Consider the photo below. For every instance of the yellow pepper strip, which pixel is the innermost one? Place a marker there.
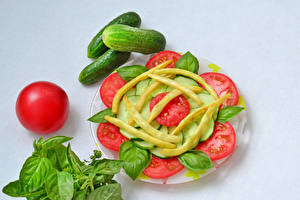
(141, 101)
(138, 133)
(133, 82)
(171, 95)
(191, 75)
(176, 85)
(190, 118)
(194, 140)
(146, 126)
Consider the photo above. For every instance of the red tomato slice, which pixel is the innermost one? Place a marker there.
(222, 84)
(162, 57)
(221, 143)
(175, 111)
(110, 136)
(110, 87)
(163, 168)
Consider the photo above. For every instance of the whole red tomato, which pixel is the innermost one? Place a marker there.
(42, 107)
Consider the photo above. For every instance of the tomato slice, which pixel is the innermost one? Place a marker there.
(162, 57)
(110, 136)
(175, 111)
(222, 84)
(163, 168)
(221, 143)
(110, 87)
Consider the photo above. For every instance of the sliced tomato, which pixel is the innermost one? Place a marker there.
(110, 136)
(163, 168)
(162, 57)
(221, 143)
(222, 84)
(110, 87)
(175, 111)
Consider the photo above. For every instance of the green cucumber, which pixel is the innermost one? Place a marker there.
(209, 131)
(97, 47)
(131, 92)
(105, 64)
(164, 129)
(144, 144)
(156, 152)
(205, 98)
(185, 81)
(127, 135)
(141, 86)
(123, 113)
(130, 39)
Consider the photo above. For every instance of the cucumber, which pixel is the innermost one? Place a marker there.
(141, 86)
(97, 47)
(126, 134)
(106, 63)
(123, 113)
(156, 152)
(185, 81)
(161, 89)
(164, 129)
(144, 144)
(208, 132)
(131, 92)
(130, 39)
(205, 98)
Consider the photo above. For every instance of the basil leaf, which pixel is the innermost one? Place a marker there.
(74, 161)
(59, 185)
(14, 189)
(130, 72)
(106, 192)
(188, 62)
(109, 167)
(62, 161)
(195, 160)
(80, 195)
(99, 117)
(135, 159)
(55, 141)
(228, 112)
(33, 173)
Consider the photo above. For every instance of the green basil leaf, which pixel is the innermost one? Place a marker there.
(228, 112)
(108, 167)
(74, 161)
(135, 159)
(188, 62)
(59, 185)
(106, 192)
(55, 141)
(80, 195)
(14, 189)
(195, 160)
(99, 117)
(33, 173)
(130, 72)
(61, 156)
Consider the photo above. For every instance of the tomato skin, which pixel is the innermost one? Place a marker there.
(175, 111)
(110, 87)
(163, 168)
(162, 57)
(42, 107)
(222, 84)
(221, 143)
(109, 136)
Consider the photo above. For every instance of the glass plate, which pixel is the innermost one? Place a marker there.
(185, 175)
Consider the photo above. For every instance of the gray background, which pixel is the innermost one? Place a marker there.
(256, 42)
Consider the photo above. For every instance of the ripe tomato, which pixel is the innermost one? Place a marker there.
(221, 143)
(162, 57)
(175, 111)
(222, 84)
(163, 168)
(110, 136)
(42, 107)
(110, 87)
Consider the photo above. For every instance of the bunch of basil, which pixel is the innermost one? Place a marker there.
(54, 172)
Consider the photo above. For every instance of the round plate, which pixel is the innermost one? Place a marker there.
(185, 175)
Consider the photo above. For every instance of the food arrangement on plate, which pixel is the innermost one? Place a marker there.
(164, 117)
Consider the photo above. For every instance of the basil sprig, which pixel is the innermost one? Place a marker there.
(135, 159)
(55, 172)
(130, 72)
(228, 112)
(188, 62)
(195, 160)
(99, 117)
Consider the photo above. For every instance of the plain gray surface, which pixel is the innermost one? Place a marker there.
(256, 42)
